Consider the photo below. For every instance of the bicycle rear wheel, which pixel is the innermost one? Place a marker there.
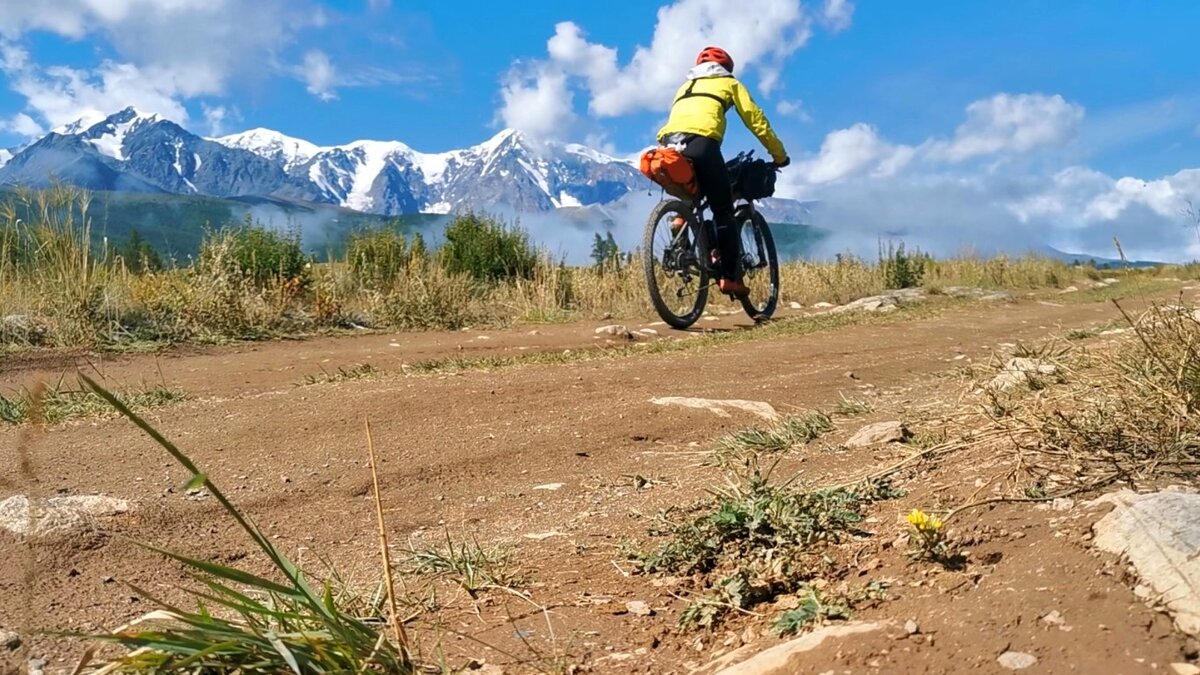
(672, 259)
(760, 265)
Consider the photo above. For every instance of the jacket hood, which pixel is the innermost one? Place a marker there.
(708, 69)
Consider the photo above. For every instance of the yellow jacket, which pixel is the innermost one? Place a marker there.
(701, 103)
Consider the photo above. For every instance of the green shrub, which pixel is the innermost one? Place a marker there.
(899, 268)
(256, 253)
(605, 252)
(487, 249)
(139, 255)
(431, 299)
(376, 258)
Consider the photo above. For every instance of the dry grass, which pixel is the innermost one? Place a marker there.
(58, 290)
(1061, 419)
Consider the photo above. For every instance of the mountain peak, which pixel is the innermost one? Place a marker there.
(273, 145)
(503, 138)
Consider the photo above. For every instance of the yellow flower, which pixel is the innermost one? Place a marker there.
(924, 522)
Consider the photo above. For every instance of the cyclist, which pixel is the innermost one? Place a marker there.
(696, 128)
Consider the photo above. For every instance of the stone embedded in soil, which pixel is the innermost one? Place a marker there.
(10, 640)
(720, 407)
(1159, 533)
(37, 516)
(549, 486)
(639, 607)
(1185, 669)
(878, 434)
(1016, 660)
(1055, 618)
(911, 627)
(616, 330)
(781, 659)
(1020, 370)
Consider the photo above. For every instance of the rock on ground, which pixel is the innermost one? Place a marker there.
(615, 330)
(878, 434)
(890, 300)
(38, 517)
(720, 407)
(782, 659)
(1018, 371)
(22, 328)
(1160, 534)
(1016, 660)
(978, 293)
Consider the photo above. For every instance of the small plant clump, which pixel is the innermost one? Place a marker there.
(468, 565)
(779, 437)
(359, 371)
(928, 535)
(753, 541)
(56, 405)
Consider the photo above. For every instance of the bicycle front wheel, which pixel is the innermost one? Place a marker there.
(760, 265)
(672, 259)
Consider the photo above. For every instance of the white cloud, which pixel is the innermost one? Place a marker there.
(536, 100)
(794, 109)
(1011, 123)
(759, 34)
(867, 187)
(856, 150)
(61, 95)
(216, 117)
(318, 73)
(169, 50)
(838, 14)
(22, 125)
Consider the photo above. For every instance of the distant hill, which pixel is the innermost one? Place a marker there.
(1098, 261)
(175, 224)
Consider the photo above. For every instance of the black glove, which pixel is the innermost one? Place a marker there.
(786, 160)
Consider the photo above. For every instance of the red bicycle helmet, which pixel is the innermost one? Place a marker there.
(715, 55)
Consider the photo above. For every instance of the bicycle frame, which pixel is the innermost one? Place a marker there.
(707, 230)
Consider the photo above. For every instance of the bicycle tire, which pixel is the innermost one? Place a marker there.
(653, 264)
(762, 307)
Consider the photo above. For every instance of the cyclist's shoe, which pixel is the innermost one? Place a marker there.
(734, 288)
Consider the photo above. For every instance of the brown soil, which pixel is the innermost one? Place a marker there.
(465, 452)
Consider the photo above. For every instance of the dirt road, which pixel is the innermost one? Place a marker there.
(467, 452)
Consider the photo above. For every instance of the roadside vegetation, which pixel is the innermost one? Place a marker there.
(62, 286)
(59, 403)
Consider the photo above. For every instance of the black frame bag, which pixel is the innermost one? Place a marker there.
(751, 178)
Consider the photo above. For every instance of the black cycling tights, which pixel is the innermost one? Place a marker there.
(713, 178)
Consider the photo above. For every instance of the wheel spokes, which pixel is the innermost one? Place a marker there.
(676, 267)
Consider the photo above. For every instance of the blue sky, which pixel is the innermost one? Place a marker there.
(1044, 107)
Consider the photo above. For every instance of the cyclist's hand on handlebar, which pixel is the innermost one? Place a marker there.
(779, 165)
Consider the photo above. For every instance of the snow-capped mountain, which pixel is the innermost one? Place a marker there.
(140, 152)
(284, 150)
(131, 151)
(391, 177)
